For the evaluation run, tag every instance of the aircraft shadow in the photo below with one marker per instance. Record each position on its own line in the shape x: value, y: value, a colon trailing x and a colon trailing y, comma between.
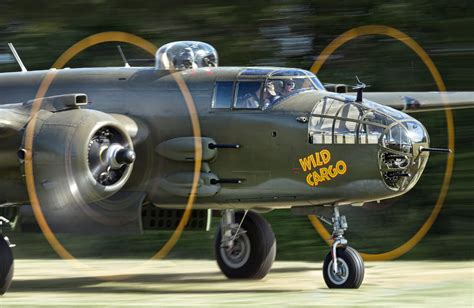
x: 206, y: 281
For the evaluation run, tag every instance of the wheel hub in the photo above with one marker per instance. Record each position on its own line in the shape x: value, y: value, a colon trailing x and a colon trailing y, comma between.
x: 238, y: 254
x: 342, y: 273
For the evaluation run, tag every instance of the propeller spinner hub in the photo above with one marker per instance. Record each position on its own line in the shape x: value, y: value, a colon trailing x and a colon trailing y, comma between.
x: 109, y: 156
x: 117, y: 155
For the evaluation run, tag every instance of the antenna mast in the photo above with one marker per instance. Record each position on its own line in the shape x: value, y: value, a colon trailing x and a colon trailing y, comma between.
x: 360, y: 89
x: 125, y: 62
x: 17, y: 58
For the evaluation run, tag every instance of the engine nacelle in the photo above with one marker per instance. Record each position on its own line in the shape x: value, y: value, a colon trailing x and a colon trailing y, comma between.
x: 80, y: 158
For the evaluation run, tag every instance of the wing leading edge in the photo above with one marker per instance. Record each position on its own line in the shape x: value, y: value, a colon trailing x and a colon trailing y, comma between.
x: 410, y: 102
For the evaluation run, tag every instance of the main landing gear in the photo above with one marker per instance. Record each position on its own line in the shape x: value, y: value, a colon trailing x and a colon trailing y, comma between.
x: 6, y: 259
x: 245, y: 248
x: 245, y: 245
x: 343, y: 266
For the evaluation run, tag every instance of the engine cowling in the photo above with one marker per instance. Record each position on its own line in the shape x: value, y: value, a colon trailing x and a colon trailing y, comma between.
x: 80, y: 158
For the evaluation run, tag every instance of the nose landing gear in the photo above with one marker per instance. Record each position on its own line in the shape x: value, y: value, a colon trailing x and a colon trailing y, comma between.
x: 245, y: 245
x: 343, y: 266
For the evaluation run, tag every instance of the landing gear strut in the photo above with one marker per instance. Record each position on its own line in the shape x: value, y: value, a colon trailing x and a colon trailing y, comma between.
x: 6, y: 259
x: 245, y: 245
x: 343, y: 266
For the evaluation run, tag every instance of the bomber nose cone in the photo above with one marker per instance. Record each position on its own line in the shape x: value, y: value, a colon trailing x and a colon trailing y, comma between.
x: 402, y: 161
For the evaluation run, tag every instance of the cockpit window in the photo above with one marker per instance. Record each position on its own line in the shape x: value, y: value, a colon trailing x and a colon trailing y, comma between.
x: 248, y: 95
x: 274, y: 85
x: 223, y: 95
x: 256, y: 72
x: 289, y: 73
x: 318, y: 83
x: 290, y: 82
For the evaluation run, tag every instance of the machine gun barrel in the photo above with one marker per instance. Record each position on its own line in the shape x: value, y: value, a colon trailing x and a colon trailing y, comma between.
x: 435, y: 150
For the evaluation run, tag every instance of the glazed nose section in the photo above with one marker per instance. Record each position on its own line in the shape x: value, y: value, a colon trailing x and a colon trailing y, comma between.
x: 417, y: 133
x: 401, y: 160
x: 406, y: 136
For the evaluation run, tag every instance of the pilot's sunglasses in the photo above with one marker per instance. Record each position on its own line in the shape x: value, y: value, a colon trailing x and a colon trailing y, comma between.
x: 290, y: 83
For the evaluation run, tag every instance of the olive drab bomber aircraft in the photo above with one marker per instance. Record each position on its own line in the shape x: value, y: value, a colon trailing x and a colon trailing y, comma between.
x: 113, y: 151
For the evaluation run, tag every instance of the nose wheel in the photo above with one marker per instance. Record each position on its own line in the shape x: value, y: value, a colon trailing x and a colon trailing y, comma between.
x: 350, y: 269
x: 343, y: 266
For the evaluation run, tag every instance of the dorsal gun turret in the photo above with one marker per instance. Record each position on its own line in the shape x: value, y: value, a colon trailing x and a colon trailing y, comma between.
x: 185, y: 55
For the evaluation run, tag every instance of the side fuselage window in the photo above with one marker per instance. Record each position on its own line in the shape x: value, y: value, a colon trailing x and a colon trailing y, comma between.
x: 223, y: 95
x: 248, y: 95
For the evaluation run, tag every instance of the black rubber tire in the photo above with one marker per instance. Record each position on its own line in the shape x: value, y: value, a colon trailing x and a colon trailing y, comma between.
x: 355, y: 266
x: 262, y: 248
x: 6, y: 266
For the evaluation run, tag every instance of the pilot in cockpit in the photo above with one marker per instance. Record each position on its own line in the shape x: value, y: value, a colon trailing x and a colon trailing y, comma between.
x: 250, y: 99
x: 288, y: 87
x: 269, y: 95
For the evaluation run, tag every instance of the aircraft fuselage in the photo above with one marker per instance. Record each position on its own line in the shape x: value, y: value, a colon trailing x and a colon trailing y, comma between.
x: 276, y: 164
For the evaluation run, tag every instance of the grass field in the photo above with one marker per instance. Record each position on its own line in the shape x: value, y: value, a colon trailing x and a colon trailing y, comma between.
x: 184, y: 283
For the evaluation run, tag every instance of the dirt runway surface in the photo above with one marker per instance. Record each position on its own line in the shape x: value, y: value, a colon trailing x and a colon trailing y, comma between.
x: 184, y: 283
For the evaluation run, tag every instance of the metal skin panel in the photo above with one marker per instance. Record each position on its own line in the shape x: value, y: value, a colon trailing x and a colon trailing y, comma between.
x: 272, y: 141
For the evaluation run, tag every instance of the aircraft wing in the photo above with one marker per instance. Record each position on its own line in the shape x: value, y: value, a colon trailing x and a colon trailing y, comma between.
x: 410, y: 102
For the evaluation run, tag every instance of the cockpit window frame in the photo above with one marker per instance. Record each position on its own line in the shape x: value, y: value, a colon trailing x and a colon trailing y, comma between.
x: 264, y: 75
x: 253, y: 72
x: 286, y: 73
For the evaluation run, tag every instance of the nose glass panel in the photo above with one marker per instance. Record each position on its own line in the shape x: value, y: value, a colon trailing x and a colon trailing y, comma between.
x: 416, y: 131
x: 400, y: 162
x: 396, y: 138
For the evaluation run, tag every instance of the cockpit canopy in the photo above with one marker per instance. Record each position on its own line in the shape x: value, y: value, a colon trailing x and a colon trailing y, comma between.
x: 265, y: 87
x: 185, y: 55
x: 279, y: 78
x: 260, y: 88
